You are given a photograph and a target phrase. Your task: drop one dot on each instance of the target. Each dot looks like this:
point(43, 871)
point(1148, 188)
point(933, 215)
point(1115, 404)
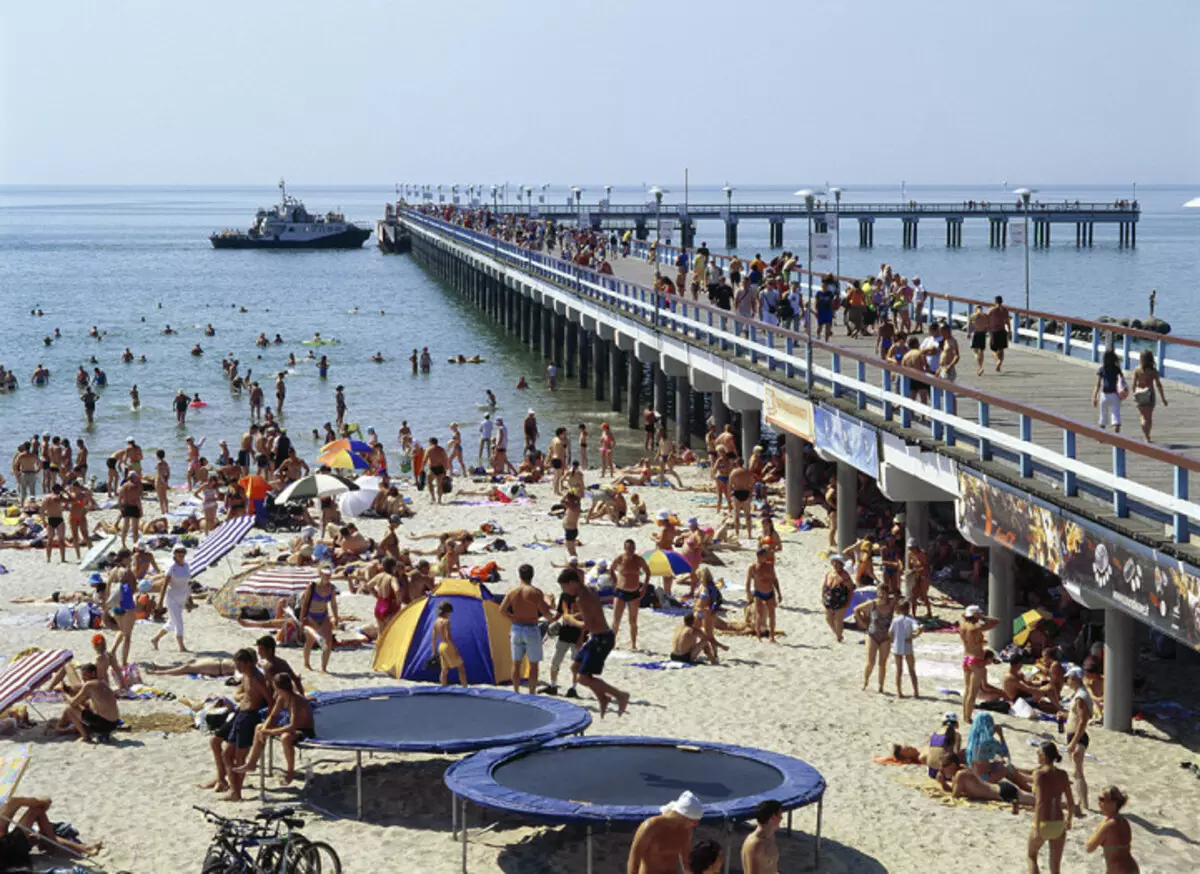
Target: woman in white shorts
point(175, 591)
point(1110, 390)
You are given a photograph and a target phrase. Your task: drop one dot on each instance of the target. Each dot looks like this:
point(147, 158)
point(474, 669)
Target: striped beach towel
point(283, 582)
point(26, 674)
point(218, 543)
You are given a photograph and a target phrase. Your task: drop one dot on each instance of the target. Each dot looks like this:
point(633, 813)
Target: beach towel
point(660, 665)
point(28, 673)
point(219, 542)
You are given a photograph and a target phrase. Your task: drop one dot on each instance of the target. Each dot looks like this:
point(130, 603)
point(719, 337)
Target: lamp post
point(837, 221)
point(1025, 194)
point(495, 199)
point(809, 197)
point(658, 196)
point(607, 197)
point(902, 198)
point(578, 192)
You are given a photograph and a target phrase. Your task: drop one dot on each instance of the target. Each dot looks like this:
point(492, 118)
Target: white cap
point(973, 610)
point(912, 543)
point(531, 412)
point(664, 515)
point(951, 717)
point(686, 805)
point(836, 557)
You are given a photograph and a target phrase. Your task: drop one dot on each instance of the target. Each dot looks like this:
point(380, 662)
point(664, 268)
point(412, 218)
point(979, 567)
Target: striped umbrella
point(343, 459)
point(218, 543)
point(282, 582)
point(356, 446)
point(666, 563)
point(1024, 624)
point(29, 671)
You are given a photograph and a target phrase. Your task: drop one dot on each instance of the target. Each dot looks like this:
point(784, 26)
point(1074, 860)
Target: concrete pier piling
point(775, 232)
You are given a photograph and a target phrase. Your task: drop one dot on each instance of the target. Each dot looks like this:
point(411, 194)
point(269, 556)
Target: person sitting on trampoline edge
point(299, 727)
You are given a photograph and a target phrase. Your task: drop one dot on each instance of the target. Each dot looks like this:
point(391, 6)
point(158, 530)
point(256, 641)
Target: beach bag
point(447, 485)
point(1122, 387)
point(1144, 397)
point(255, 614)
point(14, 850)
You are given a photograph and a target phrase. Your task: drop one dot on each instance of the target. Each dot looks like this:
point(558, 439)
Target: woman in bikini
point(387, 591)
point(79, 502)
point(318, 615)
point(219, 667)
point(1114, 836)
point(1051, 786)
point(693, 551)
point(876, 617)
point(607, 442)
point(455, 450)
point(722, 467)
point(971, 629)
point(583, 446)
point(207, 493)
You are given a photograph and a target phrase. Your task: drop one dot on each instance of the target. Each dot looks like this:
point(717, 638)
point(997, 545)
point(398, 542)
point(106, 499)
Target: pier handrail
point(944, 425)
point(671, 210)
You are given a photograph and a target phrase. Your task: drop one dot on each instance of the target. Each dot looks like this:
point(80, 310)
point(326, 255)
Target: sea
point(132, 260)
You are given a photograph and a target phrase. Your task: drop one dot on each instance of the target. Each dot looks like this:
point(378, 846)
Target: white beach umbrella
point(316, 485)
point(356, 503)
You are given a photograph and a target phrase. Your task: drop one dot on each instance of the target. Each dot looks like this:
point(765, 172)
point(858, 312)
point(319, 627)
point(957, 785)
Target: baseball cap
point(973, 610)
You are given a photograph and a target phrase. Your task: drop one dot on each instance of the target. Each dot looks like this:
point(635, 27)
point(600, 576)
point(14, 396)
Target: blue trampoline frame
point(472, 779)
point(567, 718)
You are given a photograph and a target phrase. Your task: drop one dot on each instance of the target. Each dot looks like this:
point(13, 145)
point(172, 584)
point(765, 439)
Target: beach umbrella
point(666, 563)
point(356, 446)
point(315, 485)
point(1024, 624)
point(356, 503)
point(343, 459)
point(256, 487)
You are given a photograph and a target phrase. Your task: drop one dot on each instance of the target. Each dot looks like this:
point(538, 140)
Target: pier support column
point(640, 230)
point(633, 390)
point(658, 378)
point(1091, 230)
point(910, 233)
point(699, 423)
point(547, 345)
point(775, 233)
point(687, 234)
point(559, 352)
point(584, 352)
point(599, 365)
point(847, 505)
point(866, 233)
point(751, 430)
point(1120, 653)
point(524, 319)
point(683, 412)
point(793, 448)
point(731, 233)
point(572, 347)
point(616, 374)
point(720, 412)
point(1001, 595)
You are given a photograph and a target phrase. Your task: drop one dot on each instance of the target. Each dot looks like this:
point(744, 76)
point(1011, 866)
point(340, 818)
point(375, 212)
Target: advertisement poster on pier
point(1119, 572)
point(847, 439)
point(1016, 233)
point(788, 412)
point(822, 247)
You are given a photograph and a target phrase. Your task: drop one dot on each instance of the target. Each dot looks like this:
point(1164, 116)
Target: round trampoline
point(434, 719)
point(627, 779)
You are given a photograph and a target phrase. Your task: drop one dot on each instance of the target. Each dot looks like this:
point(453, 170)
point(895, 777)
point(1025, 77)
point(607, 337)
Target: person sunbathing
point(607, 502)
point(299, 727)
point(286, 627)
point(692, 642)
point(22, 832)
point(55, 598)
point(968, 783)
point(455, 534)
point(206, 667)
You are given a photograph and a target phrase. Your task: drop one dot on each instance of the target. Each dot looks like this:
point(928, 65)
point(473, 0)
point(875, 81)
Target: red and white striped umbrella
point(282, 581)
point(26, 674)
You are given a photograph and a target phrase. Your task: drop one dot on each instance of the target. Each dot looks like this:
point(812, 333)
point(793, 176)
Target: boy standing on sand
point(902, 632)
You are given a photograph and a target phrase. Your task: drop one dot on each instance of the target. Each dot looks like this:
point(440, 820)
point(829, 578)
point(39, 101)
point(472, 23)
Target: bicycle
point(277, 845)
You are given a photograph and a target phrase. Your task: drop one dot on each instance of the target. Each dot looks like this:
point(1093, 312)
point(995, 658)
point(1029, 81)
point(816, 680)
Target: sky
point(619, 91)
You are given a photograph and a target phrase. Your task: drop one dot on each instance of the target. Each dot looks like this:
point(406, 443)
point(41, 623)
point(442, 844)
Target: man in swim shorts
point(690, 643)
point(232, 741)
point(436, 462)
point(632, 575)
point(998, 320)
point(525, 605)
point(129, 497)
point(572, 505)
point(741, 491)
point(599, 644)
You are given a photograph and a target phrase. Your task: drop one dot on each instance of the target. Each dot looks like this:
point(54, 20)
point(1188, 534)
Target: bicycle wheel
point(218, 861)
point(300, 858)
point(326, 858)
point(275, 859)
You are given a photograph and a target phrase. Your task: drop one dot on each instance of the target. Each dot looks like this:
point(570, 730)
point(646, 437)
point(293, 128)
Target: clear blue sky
point(378, 91)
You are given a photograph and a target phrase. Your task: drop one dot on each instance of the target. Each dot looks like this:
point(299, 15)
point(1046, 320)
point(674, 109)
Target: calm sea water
point(132, 260)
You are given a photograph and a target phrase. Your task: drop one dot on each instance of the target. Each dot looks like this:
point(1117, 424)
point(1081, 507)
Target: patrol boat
point(288, 225)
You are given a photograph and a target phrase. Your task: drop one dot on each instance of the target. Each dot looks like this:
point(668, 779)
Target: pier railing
point(1069, 336)
point(1002, 429)
point(1122, 209)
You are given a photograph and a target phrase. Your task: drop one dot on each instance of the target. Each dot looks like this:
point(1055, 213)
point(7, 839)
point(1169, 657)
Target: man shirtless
point(599, 644)
point(93, 709)
point(571, 509)
point(914, 359)
point(760, 853)
point(280, 392)
point(389, 544)
point(437, 462)
point(948, 361)
point(419, 584)
point(979, 336)
point(690, 643)
point(129, 498)
point(763, 586)
point(969, 783)
point(525, 605)
point(726, 442)
point(666, 450)
point(741, 491)
point(232, 741)
point(917, 577)
point(558, 458)
point(998, 320)
point(53, 517)
point(631, 575)
point(26, 465)
point(648, 419)
point(663, 843)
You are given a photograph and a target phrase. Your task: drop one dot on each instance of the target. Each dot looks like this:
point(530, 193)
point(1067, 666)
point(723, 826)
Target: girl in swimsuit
point(454, 447)
point(876, 617)
point(607, 442)
point(318, 614)
point(208, 494)
point(79, 501)
point(583, 444)
point(1113, 836)
point(387, 592)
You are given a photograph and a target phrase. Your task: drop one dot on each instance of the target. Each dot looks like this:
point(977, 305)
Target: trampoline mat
point(432, 718)
point(635, 774)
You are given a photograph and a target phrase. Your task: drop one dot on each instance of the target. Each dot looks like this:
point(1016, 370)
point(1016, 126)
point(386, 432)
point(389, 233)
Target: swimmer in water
point(278, 341)
point(196, 350)
point(134, 400)
point(377, 358)
point(521, 383)
point(316, 337)
point(291, 362)
point(196, 402)
point(169, 330)
point(210, 331)
point(491, 398)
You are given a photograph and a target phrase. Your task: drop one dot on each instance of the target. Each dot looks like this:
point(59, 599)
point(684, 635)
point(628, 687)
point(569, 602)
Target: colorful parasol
point(256, 487)
point(666, 563)
point(343, 459)
point(355, 446)
point(1024, 624)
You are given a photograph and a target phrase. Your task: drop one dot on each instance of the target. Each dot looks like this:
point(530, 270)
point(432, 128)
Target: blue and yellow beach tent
point(480, 632)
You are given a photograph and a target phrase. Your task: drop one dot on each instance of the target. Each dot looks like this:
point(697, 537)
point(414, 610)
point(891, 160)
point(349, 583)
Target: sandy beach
point(800, 697)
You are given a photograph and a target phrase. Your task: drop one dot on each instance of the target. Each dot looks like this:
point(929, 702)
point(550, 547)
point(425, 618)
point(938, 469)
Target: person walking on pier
point(978, 330)
point(1145, 381)
point(1110, 382)
point(998, 319)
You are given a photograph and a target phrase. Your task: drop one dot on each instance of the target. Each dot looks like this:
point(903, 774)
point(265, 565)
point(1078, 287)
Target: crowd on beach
point(879, 586)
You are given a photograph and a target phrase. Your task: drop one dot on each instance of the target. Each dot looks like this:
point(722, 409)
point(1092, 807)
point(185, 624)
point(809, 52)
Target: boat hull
point(351, 238)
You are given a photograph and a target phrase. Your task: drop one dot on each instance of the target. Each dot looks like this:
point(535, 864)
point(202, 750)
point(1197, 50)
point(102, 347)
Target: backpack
point(784, 309)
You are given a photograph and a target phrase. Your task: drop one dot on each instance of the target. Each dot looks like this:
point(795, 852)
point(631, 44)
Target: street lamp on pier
point(1025, 194)
point(837, 221)
point(810, 197)
point(578, 192)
